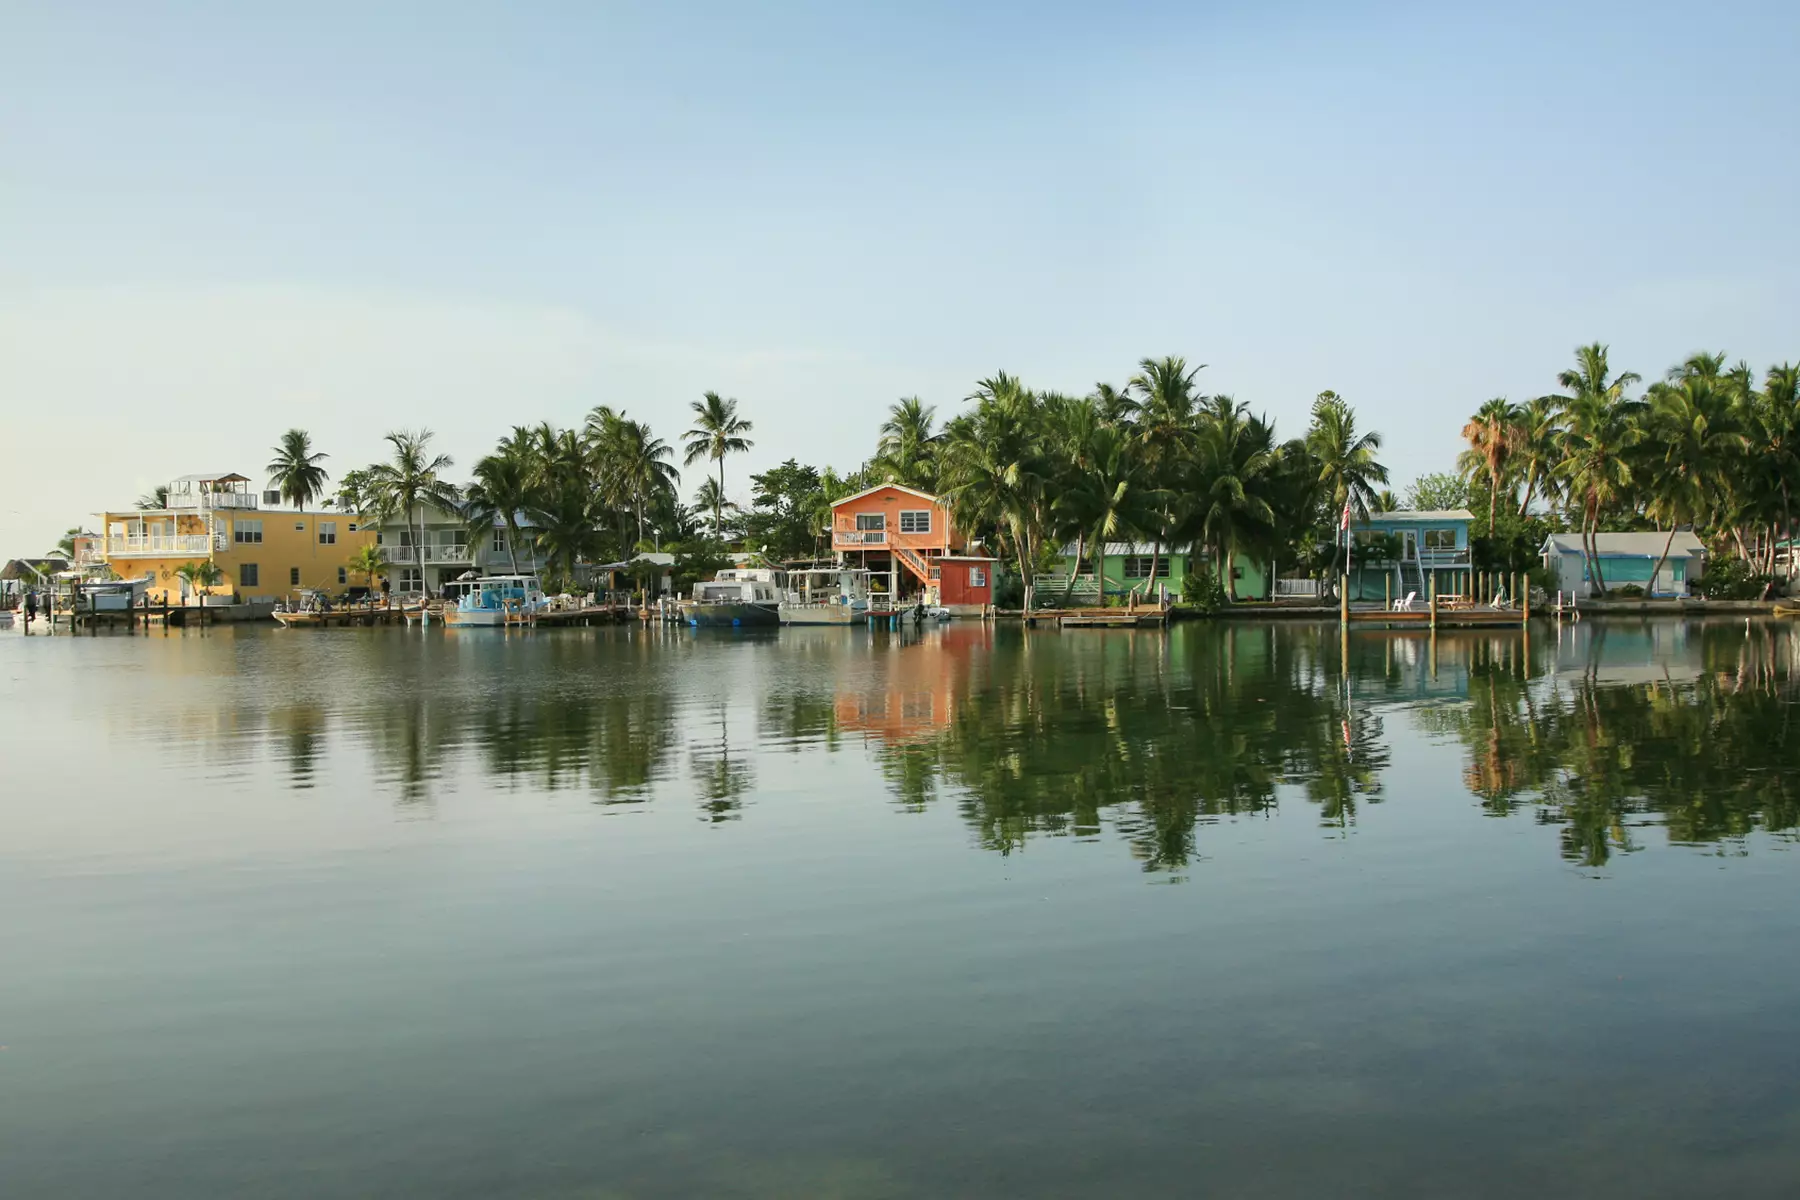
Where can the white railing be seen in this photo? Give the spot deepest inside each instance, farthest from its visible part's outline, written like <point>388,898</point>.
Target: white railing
<point>1296,587</point>
<point>164,543</point>
<point>211,500</point>
<point>860,537</point>
<point>434,555</point>
<point>1429,559</point>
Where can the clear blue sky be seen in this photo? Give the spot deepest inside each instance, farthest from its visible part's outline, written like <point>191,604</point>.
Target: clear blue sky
<point>219,220</point>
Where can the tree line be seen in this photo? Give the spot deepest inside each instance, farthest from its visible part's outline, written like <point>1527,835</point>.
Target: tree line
<point>1154,460</point>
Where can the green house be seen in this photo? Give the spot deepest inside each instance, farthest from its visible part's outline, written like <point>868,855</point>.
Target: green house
<point>1125,567</point>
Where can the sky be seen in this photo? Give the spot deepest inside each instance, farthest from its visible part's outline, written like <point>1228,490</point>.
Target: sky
<point>219,221</point>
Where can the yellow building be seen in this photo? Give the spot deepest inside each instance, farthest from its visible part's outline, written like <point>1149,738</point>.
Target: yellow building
<point>262,549</point>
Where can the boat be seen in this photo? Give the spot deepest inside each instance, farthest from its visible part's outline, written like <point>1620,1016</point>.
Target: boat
<point>736,597</point>
<point>6,618</point>
<point>312,608</point>
<point>495,600</point>
<point>1787,610</point>
<point>826,596</point>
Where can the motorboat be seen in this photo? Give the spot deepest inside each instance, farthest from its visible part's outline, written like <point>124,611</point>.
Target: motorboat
<point>496,600</point>
<point>736,597</point>
<point>826,596</point>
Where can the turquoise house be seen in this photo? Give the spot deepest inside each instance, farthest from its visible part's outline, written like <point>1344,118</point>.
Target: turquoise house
<point>1125,567</point>
<point>1626,558</point>
<point>1394,554</point>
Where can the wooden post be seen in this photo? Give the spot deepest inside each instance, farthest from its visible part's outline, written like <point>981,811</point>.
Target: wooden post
<point>1433,589</point>
<point>1344,600</point>
<point>1387,593</point>
<point>1525,620</point>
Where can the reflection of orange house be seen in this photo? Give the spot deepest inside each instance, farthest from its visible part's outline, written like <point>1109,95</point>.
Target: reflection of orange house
<point>908,536</point>
<point>914,691</point>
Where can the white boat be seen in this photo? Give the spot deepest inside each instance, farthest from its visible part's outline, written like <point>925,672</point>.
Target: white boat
<point>497,600</point>
<point>736,597</point>
<point>826,596</point>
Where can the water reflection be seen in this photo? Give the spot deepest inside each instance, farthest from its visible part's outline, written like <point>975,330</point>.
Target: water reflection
<point>1601,730</point>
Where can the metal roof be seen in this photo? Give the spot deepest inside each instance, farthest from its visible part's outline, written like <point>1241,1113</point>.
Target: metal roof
<point>1630,545</point>
<point>219,477</point>
<point>901,487</point>
<point>1419,514</point>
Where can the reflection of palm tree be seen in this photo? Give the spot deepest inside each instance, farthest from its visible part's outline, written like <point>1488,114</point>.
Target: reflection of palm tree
<point>721,779</point>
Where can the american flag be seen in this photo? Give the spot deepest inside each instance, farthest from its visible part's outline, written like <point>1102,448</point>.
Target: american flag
<point>1345,525</point>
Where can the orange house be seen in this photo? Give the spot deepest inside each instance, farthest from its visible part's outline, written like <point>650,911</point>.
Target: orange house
<point>909,536</point>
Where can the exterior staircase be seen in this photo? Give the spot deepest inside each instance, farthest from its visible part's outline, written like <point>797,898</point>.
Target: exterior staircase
<point>915,563</point>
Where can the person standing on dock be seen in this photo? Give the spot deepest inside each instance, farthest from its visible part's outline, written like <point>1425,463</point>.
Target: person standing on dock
<point>30,609</point>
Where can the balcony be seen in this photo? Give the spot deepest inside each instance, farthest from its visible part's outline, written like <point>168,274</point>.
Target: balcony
<point>163,544</point>
<point>441,556</point>
<point>859,537</point>
<point>206,501</point>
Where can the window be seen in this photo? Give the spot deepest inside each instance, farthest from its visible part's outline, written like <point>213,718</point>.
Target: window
<point>871,520</point>
<point>410,580</point>
<point>918,521</point>
<point>327,533</point>
<point>977,577</point>
<point>1137,566</point>
<point>499,542</point>
<point>247,575</point>
<point>353,527</point>
<point>378,540</point>
<point>247,532</point>
<point>293,576</point>
<point>1440,539</point>
<point>343,575</point>
<point>299,526</point>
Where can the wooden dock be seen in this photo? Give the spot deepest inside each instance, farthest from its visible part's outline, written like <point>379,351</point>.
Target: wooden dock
<point>1111,618</point>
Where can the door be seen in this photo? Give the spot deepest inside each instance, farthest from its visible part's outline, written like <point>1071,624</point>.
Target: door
<point>1409,546</point>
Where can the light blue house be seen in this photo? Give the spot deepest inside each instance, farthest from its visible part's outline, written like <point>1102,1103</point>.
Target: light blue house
<point>1394,554</point>
<point>1626,558</point>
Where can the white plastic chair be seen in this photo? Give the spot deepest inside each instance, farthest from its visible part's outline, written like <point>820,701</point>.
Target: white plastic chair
<point>1406,604</point>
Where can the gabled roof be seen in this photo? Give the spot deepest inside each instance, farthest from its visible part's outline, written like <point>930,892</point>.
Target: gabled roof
<point>899,487</point>
<point>1629,545</point>
<point>1410,515</point>
<point>216,477</point>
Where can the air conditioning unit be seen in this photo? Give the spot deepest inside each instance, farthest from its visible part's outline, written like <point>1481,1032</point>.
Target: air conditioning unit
<point>272,498</point>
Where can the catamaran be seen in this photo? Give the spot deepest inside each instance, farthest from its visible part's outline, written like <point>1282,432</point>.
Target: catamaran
<point>736,597</point>
<point>497,600</point>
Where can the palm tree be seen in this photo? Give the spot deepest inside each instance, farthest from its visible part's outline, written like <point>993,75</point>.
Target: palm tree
<point>1387,501</point>
<point>1537,426</point>
<point>1235,468</point>
<point>412,481</point>
<point>369,561</point>
<point>716,432</point>
<point>1492,434</point>
<point>709,498</point>
<point>993,471</point>
<point>1163,399</point>
<point>1105,497</point>
<point>199,575</point>
<point>1347,467</point>
<point>1778,421</point>
<point>155,499</point>
<point>1599,432</point>
<point>908,444</point>
<point>635,462</point>
<point>295,468</point>
<point>65,545</point>
<point>1698,432</point>
<point>500,491</point>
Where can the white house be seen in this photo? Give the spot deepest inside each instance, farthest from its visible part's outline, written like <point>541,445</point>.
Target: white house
<point>1625,558</point>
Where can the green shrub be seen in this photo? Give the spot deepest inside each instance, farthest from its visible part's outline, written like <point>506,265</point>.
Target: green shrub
<point>1732,579</point>
<point>1629,591</point>
<point>1202,590</point>
<point>1009,591</point>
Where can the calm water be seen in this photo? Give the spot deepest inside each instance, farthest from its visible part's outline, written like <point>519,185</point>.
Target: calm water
<point>626,913</point>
